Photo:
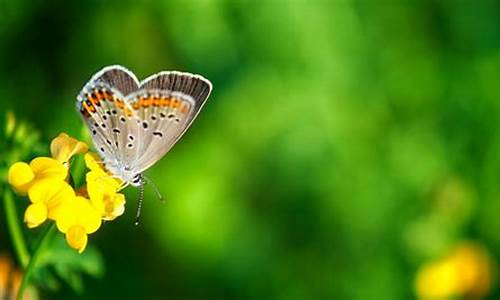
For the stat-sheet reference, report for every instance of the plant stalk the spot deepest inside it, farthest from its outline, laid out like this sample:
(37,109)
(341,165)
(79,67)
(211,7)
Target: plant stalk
(14,227)
(40,247)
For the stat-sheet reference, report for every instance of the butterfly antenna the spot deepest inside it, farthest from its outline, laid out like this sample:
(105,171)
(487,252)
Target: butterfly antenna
(139,204)
(155,188)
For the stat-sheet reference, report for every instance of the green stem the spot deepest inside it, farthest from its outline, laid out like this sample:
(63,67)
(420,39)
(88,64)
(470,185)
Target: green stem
(14,227)
(40,246)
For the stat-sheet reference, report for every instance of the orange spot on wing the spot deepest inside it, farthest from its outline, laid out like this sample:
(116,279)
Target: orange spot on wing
(184,108)
(120,104)
(89,107)
(165,102)
(175,103)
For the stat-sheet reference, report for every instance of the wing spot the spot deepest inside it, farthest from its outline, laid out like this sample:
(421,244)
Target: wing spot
(104,117)
(94,132)
(170,116)
(130,145)
(145,125)
(116,144)
(177,120)
(131,137)
(114,111)
(157,133)
(153,118)
(108,112)
(122,118)
(116,130)
(109,142)
(162,115)
(103,125)
(102,149)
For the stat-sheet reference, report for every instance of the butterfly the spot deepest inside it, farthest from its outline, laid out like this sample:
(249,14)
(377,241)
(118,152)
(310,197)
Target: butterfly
(134,124)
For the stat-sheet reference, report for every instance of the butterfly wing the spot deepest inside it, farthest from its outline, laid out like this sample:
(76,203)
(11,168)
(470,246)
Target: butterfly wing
(104,109)
(167,103)
(110,120)
(134,124)
(117,77)
(196,86)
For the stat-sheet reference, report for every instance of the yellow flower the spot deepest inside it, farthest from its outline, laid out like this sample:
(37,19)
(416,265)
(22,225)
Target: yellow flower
(467,271)
(102,190)
(47,197)
(63,147)
(44,181)
(23,176)
(77,219)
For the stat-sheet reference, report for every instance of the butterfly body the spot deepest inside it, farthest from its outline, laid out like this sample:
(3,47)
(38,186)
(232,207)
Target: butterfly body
(134,124)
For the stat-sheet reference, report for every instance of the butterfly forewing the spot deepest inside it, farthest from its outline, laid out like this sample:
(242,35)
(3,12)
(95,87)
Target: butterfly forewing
(109,119)
(117,77)
(162,117)
(195,86)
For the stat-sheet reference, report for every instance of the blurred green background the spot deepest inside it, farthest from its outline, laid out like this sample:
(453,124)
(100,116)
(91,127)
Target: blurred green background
(345,145)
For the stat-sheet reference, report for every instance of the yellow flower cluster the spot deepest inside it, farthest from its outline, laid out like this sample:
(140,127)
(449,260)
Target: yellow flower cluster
(76,213)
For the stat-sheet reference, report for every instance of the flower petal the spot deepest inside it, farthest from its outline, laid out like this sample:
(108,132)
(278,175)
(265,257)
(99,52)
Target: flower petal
(113,207)
(88,216)
(20,176)
(91,161)
(97,169)
(46,167)
(67,215)
(77,238)
(78,212)
(63,147)
(35,214)
(52,193)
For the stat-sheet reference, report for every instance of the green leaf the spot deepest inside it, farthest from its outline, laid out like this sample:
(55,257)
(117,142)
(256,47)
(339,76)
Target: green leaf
(69,266)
